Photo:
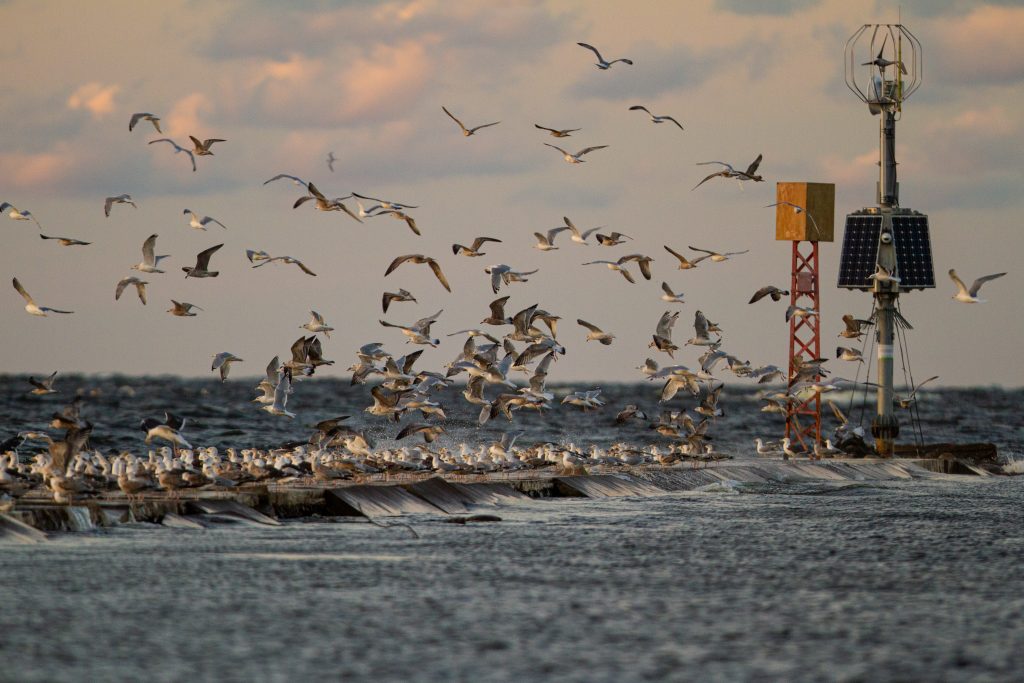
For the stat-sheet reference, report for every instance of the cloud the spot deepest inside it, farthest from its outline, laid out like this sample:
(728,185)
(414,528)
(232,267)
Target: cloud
(186,117)
(31,171)
(773,7)
(94,97)
(982,47)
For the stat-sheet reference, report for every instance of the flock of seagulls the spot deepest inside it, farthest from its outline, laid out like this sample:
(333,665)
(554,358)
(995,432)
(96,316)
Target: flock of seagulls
(493,357)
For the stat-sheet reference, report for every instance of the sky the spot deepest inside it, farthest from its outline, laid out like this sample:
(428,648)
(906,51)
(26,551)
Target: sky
(286,83)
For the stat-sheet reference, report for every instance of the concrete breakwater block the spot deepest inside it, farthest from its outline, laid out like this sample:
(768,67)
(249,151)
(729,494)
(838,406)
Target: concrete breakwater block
(376,501)
(489,493)
(605,486)
(229,511)
(15,531)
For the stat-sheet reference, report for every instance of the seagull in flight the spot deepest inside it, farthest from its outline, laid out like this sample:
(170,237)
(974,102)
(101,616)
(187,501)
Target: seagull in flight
(203,263)
(670,296)
(730,172)
(556,133)
(908,400)
(145,116)
(963,295)
(577,236)
(281,392)
(685,263)
(30,305)
(501,272)
(468,131)
(298,181)
(317,324)
(719,257)
(199,223)
(798,210)
(391,297)
(178,148)
(140,288)
(202,147)
(655,119)
(601,62)
(223,361)
(65,241)
(16,214)
(420,258)
(150,260)
(611,240)
(546,242)
(45,386)
(119,199)
(183,309)
(615,265)
(264,258)
(769,290)
(330,161)
(575,158)
(419,331)
(596,333)
(384,204)
(322,202)
(474,248)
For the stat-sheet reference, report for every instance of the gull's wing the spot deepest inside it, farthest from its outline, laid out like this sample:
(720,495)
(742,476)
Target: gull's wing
(124,282)
(587,150)
(592,49)
(558,148)
(148,249)
(713,175)
(424,324)
(305,270)
(480,241)
(485,125)
(317,318)
(358,219)
(554,231)
(587,233)
(314,192)
(762,293)
(550,130)
(753,166)
(177,147)
(589,326)
(626,274)
(135,119)
(736,253)
(298,181)
(959,283)
(665,324)
(668,290)
(669,118)
(436,267)
(399,261)
(208,219)
(706,251)
(209,141)
(982,280)
(922,384)
(640,107)
(700,325)
(452,116)
(106,206)
(192,157)
(203,257)
(21,290)
(498,307)
(140,289)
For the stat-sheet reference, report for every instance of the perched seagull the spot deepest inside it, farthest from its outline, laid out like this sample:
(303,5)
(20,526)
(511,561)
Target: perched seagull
(596,333)
(575,158)
(655,119)
(963,295)
(774,292)
(223,361)
(501,272)
(178,148)
(322,202)
(611,240)
(719,257)
(298,181)
(730,172)
(614,265)
(155,120)
(330,161)
(799,312)
(473,249)
(384,204)
(140,288)
(670,296)
(203,263)
(546,242)
(119,199)
(265,258)
(45,386)
(854,327)
(468,131)
(17,215)
(391,297)
(30,305)
(200,222)
(202,147)
(419,331)
(798,210)
(902,402)
(577,236)
(183,309)
(845,353)
(420,258)
(150,260)
(317,324)
(601,63)
(684,263)
(281,392)
(65,241)
(556,133)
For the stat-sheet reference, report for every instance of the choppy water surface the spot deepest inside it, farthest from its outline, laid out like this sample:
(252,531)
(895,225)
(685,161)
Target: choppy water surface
(916,580)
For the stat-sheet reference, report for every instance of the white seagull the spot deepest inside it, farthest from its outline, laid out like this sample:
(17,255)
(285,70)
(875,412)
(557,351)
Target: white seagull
(31,306)
(223,361)
(197,222)
(575,158)
(963,295)
(468,131)
(178,148)
(140,288)
(317,324)
(145,116)
(546,242)
(601,62)
(150,260)
(119,199)
(16,214)
(655,119)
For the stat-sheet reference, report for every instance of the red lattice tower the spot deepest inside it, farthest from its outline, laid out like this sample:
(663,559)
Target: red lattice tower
(804,215)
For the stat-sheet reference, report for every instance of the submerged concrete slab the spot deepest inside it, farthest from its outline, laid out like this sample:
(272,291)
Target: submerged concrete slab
(376,501)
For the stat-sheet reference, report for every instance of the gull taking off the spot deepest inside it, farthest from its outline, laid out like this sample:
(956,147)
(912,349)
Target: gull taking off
(203,263)
(30,305)
(468,131)
(963,295)
(575,158)
(655,119)
(200,222)
(150,260)
(119,199)
(601,62)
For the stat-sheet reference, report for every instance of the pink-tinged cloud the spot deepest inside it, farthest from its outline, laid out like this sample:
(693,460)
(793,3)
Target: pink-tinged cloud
(186,117)
(985,46)
(36,171)
(94,97)
(843,170)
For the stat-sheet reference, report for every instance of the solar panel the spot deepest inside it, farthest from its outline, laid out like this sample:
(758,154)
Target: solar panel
(913,251)
(860,251)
